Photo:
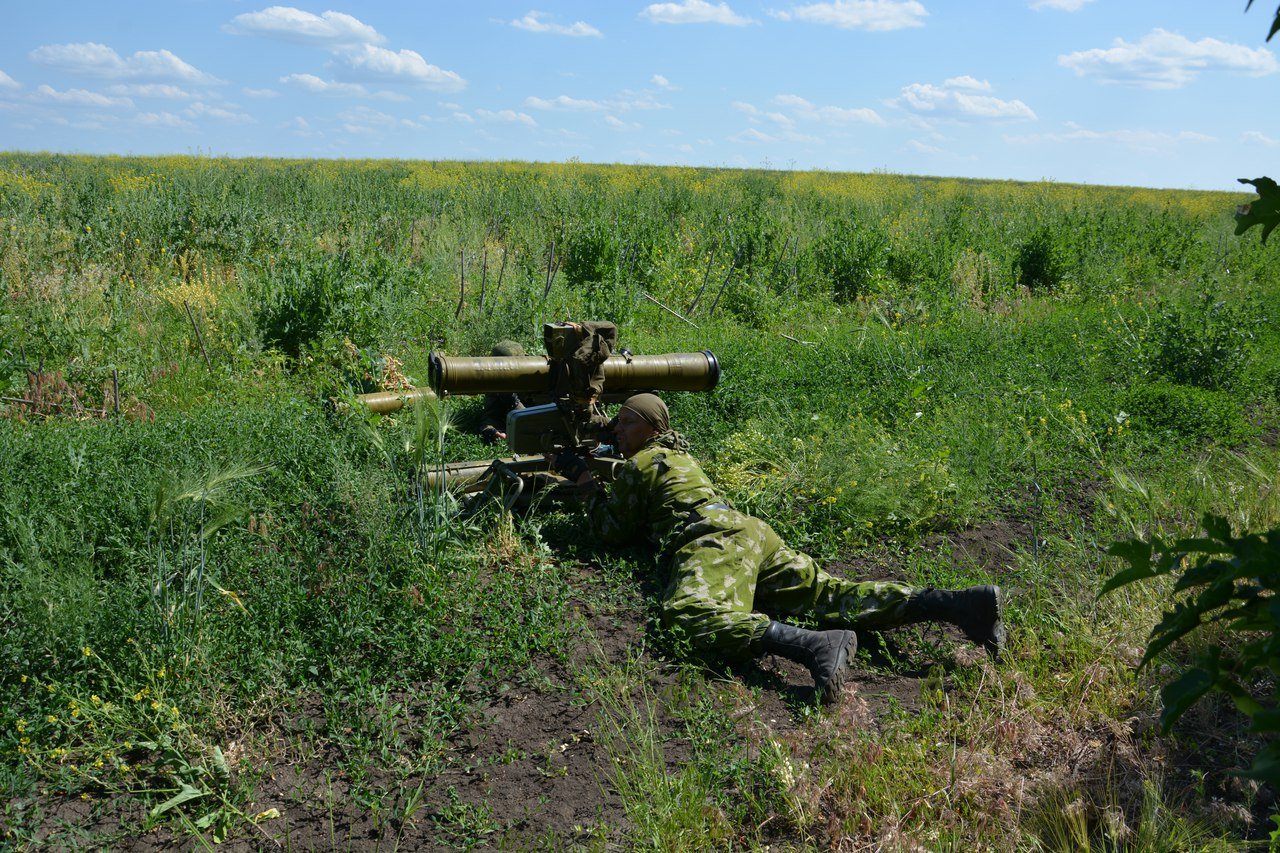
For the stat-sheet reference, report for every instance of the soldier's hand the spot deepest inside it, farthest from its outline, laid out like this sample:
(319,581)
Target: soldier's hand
(492,435)
(571,466)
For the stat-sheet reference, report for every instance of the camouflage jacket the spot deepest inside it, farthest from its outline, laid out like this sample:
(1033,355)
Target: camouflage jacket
(652,497)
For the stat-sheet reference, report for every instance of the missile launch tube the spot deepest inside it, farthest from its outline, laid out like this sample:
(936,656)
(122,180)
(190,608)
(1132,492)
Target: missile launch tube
(683,371)
(385,402)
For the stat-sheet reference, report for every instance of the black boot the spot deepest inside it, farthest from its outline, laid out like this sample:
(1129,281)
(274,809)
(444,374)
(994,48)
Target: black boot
(827,654)
(977,611)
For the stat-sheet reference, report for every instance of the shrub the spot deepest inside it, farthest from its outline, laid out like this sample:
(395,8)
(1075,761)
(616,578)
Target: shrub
(590,255)
(1041,263)
(1208,344)
(852,257)
(308,299)
(1186,412)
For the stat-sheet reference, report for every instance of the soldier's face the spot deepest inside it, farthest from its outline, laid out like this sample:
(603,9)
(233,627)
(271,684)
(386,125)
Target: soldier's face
(631,431)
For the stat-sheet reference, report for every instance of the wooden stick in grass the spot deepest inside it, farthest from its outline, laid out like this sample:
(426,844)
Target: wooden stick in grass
(199,337)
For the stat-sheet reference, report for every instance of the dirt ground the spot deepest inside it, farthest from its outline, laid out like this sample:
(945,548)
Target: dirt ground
(532,772)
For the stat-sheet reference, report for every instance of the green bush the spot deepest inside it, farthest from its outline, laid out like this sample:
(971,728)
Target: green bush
(1186,413)
(306,300)
(1208,344)
(1041,263)
(852,257)
(590,255)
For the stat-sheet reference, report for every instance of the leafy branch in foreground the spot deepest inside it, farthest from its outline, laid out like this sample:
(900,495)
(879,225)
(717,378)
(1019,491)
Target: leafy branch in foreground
(1275,24)
(1232,582)
(1265,211)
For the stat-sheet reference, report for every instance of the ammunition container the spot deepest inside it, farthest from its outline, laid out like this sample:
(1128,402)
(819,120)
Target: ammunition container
(683,371)
(526,428)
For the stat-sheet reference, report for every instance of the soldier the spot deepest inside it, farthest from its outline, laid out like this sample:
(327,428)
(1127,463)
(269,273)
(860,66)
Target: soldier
(493,418)
(732,577)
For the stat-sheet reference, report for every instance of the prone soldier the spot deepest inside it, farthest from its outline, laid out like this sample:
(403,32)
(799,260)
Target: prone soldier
(732,581)
(493,417)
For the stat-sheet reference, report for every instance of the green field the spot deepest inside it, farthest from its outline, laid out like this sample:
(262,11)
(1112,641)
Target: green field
(224,616)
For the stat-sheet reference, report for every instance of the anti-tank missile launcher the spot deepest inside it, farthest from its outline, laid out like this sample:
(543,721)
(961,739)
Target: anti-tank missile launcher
(581,373)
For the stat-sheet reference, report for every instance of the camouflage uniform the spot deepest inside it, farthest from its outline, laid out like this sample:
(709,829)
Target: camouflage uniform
(729,572)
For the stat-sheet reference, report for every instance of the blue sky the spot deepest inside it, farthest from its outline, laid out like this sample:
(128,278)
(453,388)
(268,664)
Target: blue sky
(1175,93)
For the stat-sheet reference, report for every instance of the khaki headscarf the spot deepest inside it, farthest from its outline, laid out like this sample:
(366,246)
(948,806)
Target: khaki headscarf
(654,412)
(651,408)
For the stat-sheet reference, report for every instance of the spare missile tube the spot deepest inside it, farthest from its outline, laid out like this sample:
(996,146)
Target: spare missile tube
(385,402)
(683,371)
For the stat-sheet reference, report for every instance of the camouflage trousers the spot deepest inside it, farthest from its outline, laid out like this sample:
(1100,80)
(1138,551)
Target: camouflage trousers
(731,573)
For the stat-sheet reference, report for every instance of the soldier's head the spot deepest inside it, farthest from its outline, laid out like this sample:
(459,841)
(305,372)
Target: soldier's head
(507,349)
(640,419)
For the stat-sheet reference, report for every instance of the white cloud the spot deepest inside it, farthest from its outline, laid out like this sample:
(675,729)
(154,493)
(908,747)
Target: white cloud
(7,82)
(507,116)
(98,60)
(95,123)
(162,120)
(151,90)
(81,98)
(967,82)
(662,83)
(694,12)
(1139,140)
(367,116)
(873,15)
(1255,137)
(1165,60)
(406,66)
(956,99)
(319,86)
(784,126)
(1061,5)
(299,126)
(286,23)
(564,103)
(202,110)
(532,23)
(806,111)
(752,135)
(464,118)
(924,148)
(261,93)
(618,124)
(755,115)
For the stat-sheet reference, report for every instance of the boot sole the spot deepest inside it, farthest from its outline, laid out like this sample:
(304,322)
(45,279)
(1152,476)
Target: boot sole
(993,641)
(830,692)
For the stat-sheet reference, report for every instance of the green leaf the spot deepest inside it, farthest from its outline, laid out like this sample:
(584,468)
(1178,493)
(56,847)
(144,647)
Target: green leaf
(1181,694)
(186,795)
(1127,576)
(221,771)
(1135,551)
(1265,211)
(1266,721)
(1266,765)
